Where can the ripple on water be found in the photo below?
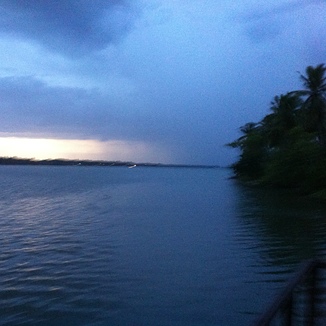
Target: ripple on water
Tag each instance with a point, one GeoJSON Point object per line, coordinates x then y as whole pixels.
{"type": "Point", "coordinates": [148, 246]}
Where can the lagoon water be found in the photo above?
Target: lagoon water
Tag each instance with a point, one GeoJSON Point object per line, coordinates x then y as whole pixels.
{"type": "Point", "coordinates": [146, 246]}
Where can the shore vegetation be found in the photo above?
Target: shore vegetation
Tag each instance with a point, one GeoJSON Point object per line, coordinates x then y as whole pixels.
{"type": "Point", "coordinates": [287, 148]}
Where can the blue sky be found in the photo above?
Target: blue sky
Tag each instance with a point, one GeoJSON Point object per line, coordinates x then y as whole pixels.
{"type": "Point", "coordinates": [148, 80]}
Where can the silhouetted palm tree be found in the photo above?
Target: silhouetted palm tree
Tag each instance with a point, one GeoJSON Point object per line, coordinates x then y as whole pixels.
{"type": "Point", "coordinates": [247, 130]}
{"type": "Point", "coordinates": [314, 106]}
{"type": "Point", "coordinates": [283, 118]}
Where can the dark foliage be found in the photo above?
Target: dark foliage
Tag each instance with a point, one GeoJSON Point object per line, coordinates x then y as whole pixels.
{"type": "Point", "coordinates": [287, 148]}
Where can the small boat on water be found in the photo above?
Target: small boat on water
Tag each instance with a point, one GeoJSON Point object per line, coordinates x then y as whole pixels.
{"type": "Point", "coordinates": [132, 166]}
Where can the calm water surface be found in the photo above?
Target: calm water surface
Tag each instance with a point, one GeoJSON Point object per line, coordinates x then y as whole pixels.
{"type": "Point", "coordinates": [146, 246]}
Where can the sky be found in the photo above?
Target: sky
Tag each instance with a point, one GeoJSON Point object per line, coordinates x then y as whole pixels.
{"type": "Point", "coordinates": [167, 81]}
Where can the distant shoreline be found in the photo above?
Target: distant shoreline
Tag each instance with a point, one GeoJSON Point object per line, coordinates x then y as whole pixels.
{"type": "Point", "coordinates": [64, 162]}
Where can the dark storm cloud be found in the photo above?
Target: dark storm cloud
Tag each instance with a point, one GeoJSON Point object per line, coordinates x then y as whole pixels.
{"type": "Point", "coordinates": [263, 24]}
{"type": "Point", "coordinates": [29, 105]}
{"type": "Point", "coordinates": [276, 10]}
{"type": "Point", "coordinates": [71, 27]}
{"type": "Point", "coordinates": [264, 30]}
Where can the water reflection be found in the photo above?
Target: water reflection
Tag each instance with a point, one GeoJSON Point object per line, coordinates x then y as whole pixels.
{"type": "Point", "coordinates": [289, 228]}
{"type": "Point", "coordinates": [281, 231]}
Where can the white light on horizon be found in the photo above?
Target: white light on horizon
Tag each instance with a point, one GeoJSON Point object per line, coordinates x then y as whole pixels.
{"type": "Point", "coordinates": [91, 149]}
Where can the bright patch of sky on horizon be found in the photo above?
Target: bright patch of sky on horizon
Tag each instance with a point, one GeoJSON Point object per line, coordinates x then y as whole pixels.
{"type": "Point", "coordinates": [166, 81]}
{"type": "Point", "coordinates": [43, 148]}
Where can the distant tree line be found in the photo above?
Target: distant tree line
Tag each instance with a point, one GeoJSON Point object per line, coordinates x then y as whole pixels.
{"type": "Point", "coordinates": [64, 162]}
{"type": "Point", "coordinates": [67, 162]}
{"type": "Point", "coordinates": [287, 148]}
